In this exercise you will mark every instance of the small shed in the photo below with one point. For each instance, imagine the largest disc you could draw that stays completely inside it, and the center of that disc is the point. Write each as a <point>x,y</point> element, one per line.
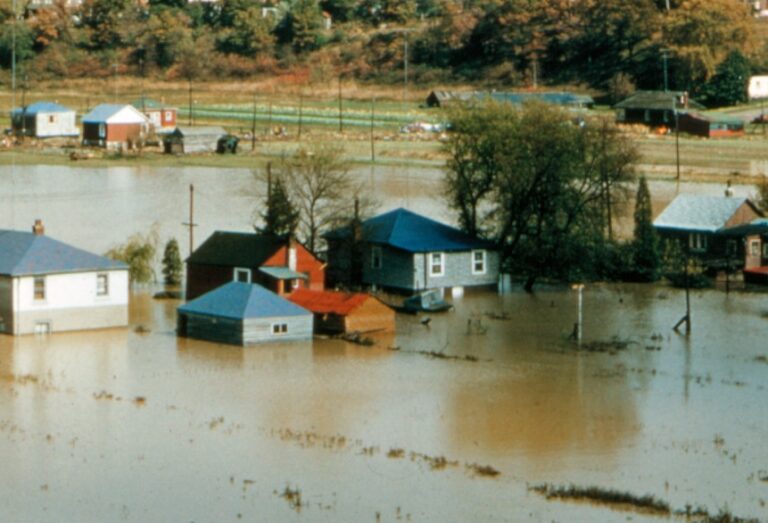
<point>241,313</point>
<point>161,117</point>
<point>185,140</point>
<point>710,126</point>
<point>44,120</point>
<point>113,126</point>
<point>343,312</point>
<point>654,108</point>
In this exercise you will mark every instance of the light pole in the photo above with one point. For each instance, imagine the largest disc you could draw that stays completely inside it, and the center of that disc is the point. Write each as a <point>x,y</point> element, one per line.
<point>579,327</point>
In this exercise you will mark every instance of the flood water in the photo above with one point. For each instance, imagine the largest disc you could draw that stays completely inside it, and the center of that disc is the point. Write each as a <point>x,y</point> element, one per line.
<point>138,425</point>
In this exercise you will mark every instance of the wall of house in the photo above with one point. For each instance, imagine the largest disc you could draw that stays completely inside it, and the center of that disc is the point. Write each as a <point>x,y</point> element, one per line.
<point>744,214</point>
<point>371,316</point>
<point>218,330</point>
<point>204,278</point>
<point>6,304</point>
<point>259,330</point>
<point>71,302</point>
<point>397,270</point>
<point>123,132</point>
<point>63,124</point>
<point>457,271</point>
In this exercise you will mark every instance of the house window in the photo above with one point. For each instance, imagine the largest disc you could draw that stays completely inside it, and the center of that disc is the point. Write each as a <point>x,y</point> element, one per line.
<point>376,261</point>
<point>279,328</point>
<point>51,119</point>
<point>765,249</point>
<point>647,115</point>
<point>478,262</point>
<point>697,242</point>
<point>168,116</point>
<point>102,131</point>
<point>39,288</point>
<point>754,247</point>
<point>242,275</point>
<point>102,284</point>
<point>436,264</point>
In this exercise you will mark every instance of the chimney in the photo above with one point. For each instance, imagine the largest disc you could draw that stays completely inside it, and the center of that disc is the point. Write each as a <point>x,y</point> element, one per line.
<point>292,253</point>
<point>38,228</point>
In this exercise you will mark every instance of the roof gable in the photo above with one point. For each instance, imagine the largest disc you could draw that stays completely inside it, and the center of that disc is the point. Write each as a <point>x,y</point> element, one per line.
<point>27,254</point>
<point>699,213</point>
<point>114,113</point>
<point>325,302</point>
<point>239,301</point>
<point>412,232</point>
<point>237,249</point>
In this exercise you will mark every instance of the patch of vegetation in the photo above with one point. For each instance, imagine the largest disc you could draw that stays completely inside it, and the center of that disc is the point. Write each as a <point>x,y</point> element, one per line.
<point>396,453</point>
<point>293,497</point>
<point>482,470</point>
<point>610,497</point>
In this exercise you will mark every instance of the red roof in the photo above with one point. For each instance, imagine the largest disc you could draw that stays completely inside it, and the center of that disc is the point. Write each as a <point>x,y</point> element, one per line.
<point>325,302</point>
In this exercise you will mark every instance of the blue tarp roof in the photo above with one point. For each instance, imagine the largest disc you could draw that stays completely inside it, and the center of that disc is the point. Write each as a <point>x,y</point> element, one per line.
<point>25,254</point>
<point>43,107</point>
<point>412,232</point>
<point>698,213</point>
<point>238,300</point>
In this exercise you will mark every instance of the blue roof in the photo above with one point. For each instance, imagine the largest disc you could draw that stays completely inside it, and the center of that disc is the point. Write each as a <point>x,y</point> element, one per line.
<point>412,232</point>
<point>238,300</point>
<point>699,213</point>
<point>27,254</point>
<point>43,107</point>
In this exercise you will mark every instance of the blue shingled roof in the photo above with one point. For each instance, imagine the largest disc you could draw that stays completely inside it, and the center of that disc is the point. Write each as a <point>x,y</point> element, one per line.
<point>43,107</point>
<point>238,300</point>
<point>412,232</point>
<point>699,213</point>
<point>25,254</point>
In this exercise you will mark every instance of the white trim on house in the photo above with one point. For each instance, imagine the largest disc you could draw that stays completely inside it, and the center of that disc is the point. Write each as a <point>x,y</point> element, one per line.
<point>697,242</point>
<point>237,271</point>
<point>479,265</point>
<point>436,264</point>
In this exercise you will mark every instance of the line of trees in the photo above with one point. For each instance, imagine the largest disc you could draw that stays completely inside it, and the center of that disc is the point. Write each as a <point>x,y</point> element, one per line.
<point>607,44</point>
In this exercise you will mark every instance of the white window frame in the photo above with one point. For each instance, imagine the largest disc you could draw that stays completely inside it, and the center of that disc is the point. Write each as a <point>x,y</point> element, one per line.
<point>41,281</point>
<point>483,261</point>
<point>168,116</point>
<point>436,259</point>
<point>279,329</point>
<point>377,261</point>
<point>697,242</point>
<point>241,270</point>
<point>754,247</point>
<point>102,130</point>
<point>102,284</point>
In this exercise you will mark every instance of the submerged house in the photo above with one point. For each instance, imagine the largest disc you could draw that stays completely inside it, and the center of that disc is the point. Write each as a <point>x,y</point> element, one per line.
<point>345,312</point>
<point>243,314</point>
<point>696,222</point>
<point>49,286</point>
<point>407,252</point>
<point>710,126</point>
<point>751,240</point>
<point>44,120</point>
<point>654,108</point>
<point>114,126</point>
<point>186,140</point>
<point>279,263</point>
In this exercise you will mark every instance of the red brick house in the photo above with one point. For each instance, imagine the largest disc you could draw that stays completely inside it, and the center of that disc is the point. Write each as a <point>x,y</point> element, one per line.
<point>279,263</point>
<point>344,312</point>
<point>114,126</point>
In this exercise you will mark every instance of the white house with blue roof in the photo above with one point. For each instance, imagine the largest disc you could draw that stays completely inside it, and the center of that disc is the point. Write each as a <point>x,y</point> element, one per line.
<point>49,286</point>
<point>44,120</point>
<point>404,251</point>
<point>114,126</point>
<point>240,313</point>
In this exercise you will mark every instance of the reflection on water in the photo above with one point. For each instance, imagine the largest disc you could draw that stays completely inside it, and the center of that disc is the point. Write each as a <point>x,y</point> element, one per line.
<point>143,426</point>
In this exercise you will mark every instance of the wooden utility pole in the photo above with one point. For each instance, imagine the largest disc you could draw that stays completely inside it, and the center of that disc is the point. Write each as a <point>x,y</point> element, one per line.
<point>687,317</point>
<point>341,117</point>
<point>677,147</point>
<point>301,106</point>
<point>191,223</point>
<point>189,118</point>
<point>253,124</point>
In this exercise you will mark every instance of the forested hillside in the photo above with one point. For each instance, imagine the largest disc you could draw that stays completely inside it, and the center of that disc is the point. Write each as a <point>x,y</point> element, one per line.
<point>607,45</point>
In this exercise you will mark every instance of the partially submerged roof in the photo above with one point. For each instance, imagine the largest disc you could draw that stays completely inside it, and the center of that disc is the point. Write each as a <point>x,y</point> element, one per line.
<point>239,301</point>
<point>329,302</point>
<point>699,213</point>
<point>659,100</point>
<point>43,107</point>
<point>27,254</point>
<point>412,232</point>
<point>237,249</point>
<point>114,113</point>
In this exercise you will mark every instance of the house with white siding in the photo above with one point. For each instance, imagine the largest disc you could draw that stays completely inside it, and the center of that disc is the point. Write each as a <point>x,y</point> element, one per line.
<point>44,120</point>
<point>404,251</point>
<point>49,286</point>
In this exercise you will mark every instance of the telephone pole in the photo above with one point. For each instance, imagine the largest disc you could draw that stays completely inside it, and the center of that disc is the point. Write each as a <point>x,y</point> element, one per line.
<point>191,223</point>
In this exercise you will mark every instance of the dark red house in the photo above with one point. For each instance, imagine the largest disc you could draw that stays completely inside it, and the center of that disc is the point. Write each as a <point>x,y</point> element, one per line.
<point>114,126</point>
<point>279,263</point>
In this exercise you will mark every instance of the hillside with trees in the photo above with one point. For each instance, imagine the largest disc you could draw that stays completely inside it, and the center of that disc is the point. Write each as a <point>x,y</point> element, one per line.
<point>606,45</point>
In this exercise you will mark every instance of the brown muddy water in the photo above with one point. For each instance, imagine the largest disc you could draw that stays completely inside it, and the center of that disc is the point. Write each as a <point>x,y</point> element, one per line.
<point>137,425</point>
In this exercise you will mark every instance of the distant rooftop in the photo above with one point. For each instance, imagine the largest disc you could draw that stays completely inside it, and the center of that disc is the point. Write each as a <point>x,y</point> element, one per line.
<point>699,213</point>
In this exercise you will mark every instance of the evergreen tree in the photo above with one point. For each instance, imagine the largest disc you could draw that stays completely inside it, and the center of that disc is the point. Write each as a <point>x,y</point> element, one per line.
<point>172,263</point>
<point>645,247</point>
<point>729,85</point>
<point>281,217</point>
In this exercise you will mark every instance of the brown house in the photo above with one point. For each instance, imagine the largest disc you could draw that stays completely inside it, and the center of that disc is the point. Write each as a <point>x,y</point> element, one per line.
<point>279,263</point>
<point>708,126</point>
<point>114,126</point>
<point>654,108</point>
<point>343,312</point>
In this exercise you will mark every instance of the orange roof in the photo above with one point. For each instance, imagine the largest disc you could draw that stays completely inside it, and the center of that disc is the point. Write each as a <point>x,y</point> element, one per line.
<point>325,302</point>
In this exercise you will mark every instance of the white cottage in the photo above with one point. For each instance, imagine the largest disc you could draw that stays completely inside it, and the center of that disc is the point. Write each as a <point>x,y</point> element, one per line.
<point>49,286</point>
<point>44,120</point>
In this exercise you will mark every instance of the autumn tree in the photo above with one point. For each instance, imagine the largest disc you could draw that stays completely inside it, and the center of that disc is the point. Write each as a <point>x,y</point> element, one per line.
<point>249,35</point>
<point>165,37</point>
<point>301,25</point>
<point>104,21</point>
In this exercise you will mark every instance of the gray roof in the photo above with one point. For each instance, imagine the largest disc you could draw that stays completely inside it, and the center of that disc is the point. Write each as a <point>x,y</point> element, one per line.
<point>238,300</point>
<point>200,131</point>
<point>699,213</point>
<point>26,254</point>
<point>658,100</point>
